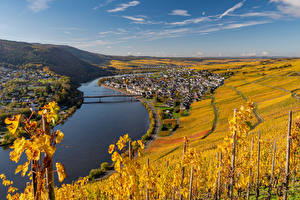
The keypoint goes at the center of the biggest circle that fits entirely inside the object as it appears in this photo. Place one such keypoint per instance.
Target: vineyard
(240, 143)
(244, 166)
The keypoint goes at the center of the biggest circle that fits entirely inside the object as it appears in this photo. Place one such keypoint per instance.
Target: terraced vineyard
(217, 153)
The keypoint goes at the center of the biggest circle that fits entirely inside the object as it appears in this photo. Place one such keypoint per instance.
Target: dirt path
(216, 116)
(255, 112)
(293, 92)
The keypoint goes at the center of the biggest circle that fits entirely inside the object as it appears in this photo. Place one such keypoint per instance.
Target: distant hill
(79, 65)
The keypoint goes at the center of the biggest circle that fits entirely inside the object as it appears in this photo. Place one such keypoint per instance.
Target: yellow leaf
(13, 123)
(61, 172)
(111, 148)
(140, 142)
(59, 136)
(19, 168)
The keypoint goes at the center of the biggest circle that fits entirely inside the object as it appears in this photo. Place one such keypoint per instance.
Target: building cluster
(172, 86)
(155, 66)
(21, 85)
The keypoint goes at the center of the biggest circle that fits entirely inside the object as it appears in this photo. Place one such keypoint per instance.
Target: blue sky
(158, 27)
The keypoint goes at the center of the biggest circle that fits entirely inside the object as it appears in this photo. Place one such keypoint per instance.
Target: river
(88, 133)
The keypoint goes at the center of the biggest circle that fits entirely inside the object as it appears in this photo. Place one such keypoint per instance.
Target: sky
(193, 28)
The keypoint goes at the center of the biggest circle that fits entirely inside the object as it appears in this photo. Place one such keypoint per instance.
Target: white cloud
(141, 19)
(245, 24)
(230, 10)
(124, 6)
(118, 31)
(167, 33)
(157, 34)
(38, 5)
(179, 32)
(191, 21)
(180, 12)
(291, 7)
(107, 2)
(135, 19)
(106, 32)
(199, 53)
(92, 43)
(220, 27)
(264, 53)
(273, 15)
(251, 54)
(209, 30)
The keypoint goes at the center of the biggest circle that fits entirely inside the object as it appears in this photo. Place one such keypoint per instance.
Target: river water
(88, 133)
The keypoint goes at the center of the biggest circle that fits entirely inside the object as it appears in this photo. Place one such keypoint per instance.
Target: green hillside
(79, 65)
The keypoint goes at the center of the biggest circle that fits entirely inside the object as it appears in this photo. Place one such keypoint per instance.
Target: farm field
(219, 64)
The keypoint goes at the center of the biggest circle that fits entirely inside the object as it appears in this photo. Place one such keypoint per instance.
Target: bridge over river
(111, 95)
(99, 97)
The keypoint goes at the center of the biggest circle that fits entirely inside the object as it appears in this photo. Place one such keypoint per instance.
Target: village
(23, 89)
(25, 86)
(173, 86)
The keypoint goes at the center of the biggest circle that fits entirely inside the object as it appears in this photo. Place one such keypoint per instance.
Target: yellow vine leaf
(13, 123)
(140, 142)
(59, 136)
(61, 172)
(50, 112)
(111, 148)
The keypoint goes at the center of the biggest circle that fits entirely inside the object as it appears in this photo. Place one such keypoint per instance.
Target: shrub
(96, 173)
(146, 137)
(185, 113)
(105, 166)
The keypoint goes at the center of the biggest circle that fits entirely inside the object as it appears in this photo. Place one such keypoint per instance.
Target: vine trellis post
(49, 168)
(250, 169)
(272, 171)
(182, 170)
(287, 165)
(257, 170)
(231, 185)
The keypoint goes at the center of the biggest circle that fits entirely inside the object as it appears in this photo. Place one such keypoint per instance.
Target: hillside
(79, 65)
(195, 161)
(272, 86)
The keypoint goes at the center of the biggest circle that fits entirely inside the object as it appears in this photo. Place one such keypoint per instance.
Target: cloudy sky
(158, 27)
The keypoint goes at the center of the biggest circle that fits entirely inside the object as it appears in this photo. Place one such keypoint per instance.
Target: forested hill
(79, 65)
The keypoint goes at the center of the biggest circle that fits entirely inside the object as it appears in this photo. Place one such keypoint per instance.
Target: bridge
(111, 95)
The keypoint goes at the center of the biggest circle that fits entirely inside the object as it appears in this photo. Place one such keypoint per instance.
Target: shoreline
(155, 115)
(64, 114)
(157, 127)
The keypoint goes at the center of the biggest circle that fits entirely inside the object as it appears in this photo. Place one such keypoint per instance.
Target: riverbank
(149, 137)
(88, 134)
(74, 102)
(148, 105)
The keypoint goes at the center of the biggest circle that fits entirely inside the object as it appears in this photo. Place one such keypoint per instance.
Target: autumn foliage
(37, 142)
(205, 174)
